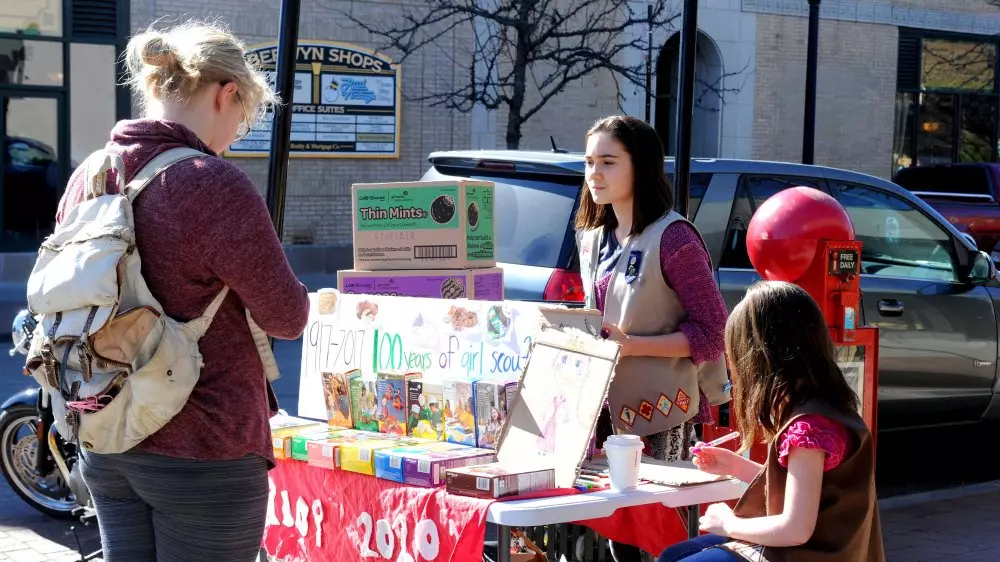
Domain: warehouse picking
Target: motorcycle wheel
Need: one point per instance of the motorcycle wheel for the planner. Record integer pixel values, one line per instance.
(18, 446)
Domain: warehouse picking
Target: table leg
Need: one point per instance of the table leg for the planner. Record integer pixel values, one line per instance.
(693, 515)
(503, 543)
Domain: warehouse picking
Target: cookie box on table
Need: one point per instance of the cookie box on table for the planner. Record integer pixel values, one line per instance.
(499, 480)
(425, 465)
(284, 428)
(390, 388)
(459, 412)
(300, 449)
(325, 453)
(424, 225)
(474, 284)
(359, 456)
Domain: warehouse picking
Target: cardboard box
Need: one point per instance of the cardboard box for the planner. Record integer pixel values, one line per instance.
(391, 395)
(493, 401)
(364, 404)
(359, 456)
(281, 436)
(498, 480)
(459, 412)
(425, 465)
(337, 396)
(424, 408)
(424, 225)
(474, 284)
(300, 451)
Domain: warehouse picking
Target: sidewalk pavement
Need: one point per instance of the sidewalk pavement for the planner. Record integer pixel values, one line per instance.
(946, 525)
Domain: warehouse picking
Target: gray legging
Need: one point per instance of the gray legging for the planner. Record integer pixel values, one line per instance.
(152, 508)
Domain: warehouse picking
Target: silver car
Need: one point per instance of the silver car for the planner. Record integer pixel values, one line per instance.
(931, 293)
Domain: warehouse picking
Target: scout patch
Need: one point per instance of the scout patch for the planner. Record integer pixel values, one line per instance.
(664, 405)
(682, 400)
(632, 266)
(646, 410)
(627, 416)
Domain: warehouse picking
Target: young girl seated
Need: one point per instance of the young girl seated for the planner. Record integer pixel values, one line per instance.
(814, 498)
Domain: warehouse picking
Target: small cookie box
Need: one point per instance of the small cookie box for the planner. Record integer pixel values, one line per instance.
(359, 456)
(283, 428)
(499, 480)
(390, 394)
(459, 412)
(474, 284)
(493, 400)
(425, 410)
(425, 465)
(300, 451)
(337, 397)
(325, 453)
(364, 404)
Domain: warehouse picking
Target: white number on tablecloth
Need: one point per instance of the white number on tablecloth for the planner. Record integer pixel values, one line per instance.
(400, 525)
(426, 540)
(301, 517)
(385, 542)
(317, 511)
(272, 491)
(365, 520)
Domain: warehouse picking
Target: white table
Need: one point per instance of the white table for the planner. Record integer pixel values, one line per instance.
(594, 505)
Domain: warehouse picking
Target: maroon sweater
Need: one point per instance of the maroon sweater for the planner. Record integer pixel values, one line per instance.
(199, 226)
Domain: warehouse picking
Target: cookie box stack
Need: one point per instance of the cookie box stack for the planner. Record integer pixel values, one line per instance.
(428, 239)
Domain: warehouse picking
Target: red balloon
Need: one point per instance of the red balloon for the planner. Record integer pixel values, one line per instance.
(783, 233)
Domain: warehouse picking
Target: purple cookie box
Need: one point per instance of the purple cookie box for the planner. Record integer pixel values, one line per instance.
(487, 285)
(437, 462)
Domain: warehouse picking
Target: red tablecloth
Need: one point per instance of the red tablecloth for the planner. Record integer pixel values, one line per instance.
(320, 515)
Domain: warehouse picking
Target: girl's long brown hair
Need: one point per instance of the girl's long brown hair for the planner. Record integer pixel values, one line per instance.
(780, 357)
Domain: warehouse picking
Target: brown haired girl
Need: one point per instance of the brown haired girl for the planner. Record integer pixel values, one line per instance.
(814, 498)
(647, 269)
(197, 489)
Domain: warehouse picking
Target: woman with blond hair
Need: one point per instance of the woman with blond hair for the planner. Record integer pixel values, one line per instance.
(197, 489)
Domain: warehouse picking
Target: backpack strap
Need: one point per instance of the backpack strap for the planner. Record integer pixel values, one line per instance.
(155, 167)
(97, 166)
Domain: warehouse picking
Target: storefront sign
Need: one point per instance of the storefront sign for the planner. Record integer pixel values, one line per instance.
(440, 338)
(346, 103)
(320, 515)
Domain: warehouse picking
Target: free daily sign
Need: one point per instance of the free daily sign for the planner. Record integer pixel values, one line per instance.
(441, 338)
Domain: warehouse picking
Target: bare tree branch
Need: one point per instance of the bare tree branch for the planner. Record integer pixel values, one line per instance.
(545, 44)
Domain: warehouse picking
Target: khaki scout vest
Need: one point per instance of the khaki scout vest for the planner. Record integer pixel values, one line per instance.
(648, 394)
(848, 527)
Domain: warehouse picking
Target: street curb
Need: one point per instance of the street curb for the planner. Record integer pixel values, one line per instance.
(957, 492)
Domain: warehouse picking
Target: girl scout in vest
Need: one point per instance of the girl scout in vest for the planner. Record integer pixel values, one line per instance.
(814, 498)
(647, 268)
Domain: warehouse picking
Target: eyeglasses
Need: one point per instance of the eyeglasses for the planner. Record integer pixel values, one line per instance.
(244, 127)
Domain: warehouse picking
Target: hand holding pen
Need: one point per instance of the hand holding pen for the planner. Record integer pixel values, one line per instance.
(710, 458)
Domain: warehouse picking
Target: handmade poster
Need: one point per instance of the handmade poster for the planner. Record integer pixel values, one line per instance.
(443, 339)
(561, 394)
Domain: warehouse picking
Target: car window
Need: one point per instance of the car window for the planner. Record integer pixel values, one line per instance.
(751, 193)
(699, 185)
(972, 180)
(899, 240)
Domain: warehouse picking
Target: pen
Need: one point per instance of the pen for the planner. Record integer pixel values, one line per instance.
(717, 442)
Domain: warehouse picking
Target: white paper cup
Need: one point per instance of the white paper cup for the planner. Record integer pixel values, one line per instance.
(624, 452)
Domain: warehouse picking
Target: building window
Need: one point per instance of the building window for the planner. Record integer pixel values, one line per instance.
(946, 101)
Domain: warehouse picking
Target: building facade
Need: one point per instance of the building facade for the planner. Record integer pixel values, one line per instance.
(901, 82)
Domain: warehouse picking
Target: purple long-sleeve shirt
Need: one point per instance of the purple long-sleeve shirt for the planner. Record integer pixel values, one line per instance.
(687, 269)
(199, 226)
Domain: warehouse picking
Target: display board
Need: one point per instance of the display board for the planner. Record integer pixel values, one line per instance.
(346, 103)
(440, 338)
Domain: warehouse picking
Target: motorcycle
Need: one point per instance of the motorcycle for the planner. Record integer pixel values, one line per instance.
(41, 468)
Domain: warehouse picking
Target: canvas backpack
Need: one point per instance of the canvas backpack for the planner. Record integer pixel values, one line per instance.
(116, 367)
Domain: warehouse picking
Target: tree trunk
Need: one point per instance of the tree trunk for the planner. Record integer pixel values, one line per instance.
(516, 105)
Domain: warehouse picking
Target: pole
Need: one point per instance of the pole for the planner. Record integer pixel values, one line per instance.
(649, 62)
(685, 107)
(281, 130)
(812, 61)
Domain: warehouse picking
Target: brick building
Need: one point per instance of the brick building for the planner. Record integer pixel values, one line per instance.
(884, 100)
